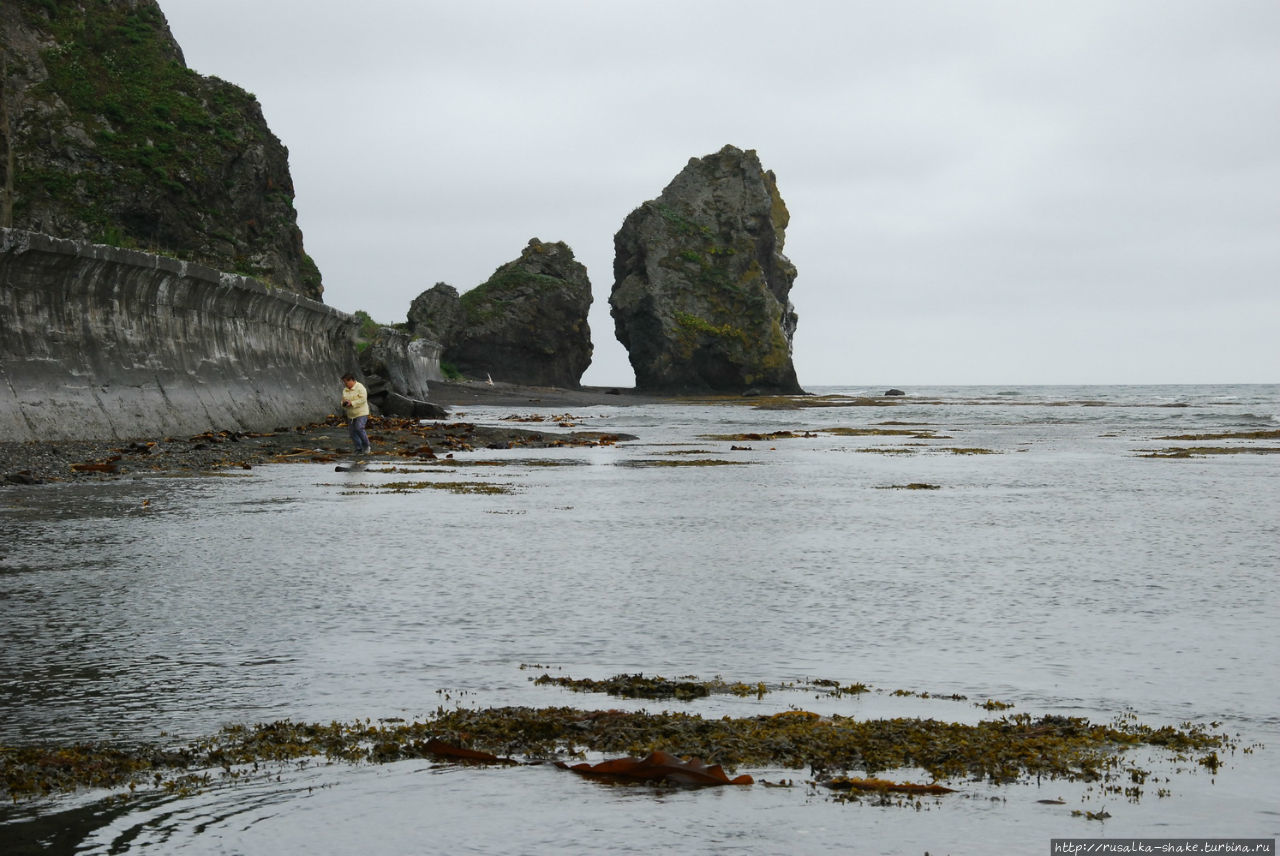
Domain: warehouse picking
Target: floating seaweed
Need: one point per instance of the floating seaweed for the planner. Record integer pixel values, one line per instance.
(1006, 750)
(679, 462)
(655, 687)
(837, 690)
(911, 486)
(845, 783)
(1205, 451)
(658, 766)
(1227, 435)
(758, 437)
(453, 752)
(450, 486)
(109, 465)
(915, 433)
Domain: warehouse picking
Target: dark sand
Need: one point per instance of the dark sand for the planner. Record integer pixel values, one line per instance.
(321, 442)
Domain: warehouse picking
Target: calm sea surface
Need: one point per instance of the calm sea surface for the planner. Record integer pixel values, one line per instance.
(1063, 572)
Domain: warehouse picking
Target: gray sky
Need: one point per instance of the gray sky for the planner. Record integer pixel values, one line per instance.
(980, 192)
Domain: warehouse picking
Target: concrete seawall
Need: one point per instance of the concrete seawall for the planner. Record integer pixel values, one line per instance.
(104, 343)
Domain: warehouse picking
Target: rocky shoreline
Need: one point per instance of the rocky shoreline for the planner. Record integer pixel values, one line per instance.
(321, 442)
(456, 394)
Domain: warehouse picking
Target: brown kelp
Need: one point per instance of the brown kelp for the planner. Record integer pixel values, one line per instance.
(1005, 750)
(658, 767)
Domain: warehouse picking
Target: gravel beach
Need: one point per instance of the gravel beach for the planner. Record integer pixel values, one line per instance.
(41, 462)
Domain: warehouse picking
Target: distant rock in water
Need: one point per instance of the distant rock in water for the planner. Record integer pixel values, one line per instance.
(115, 141)
(894, 392)
(701, 288)
(528, 323)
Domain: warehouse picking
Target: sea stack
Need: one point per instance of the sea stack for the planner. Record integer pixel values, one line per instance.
(701, 288)
(528, 323)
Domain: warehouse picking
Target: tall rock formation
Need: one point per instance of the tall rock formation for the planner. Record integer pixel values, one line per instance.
(109, 137)
(700, 294)
(528, 323)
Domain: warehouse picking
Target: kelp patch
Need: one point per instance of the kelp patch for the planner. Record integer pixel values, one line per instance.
(654, 687)
(1226, 435)
(846, 783)
(682, 462)
(460, 487)
(1206, 451)
(915, 433)
(1244, 448)
(759, 436)
(910, 486)
(1006, 750)
(658, 767)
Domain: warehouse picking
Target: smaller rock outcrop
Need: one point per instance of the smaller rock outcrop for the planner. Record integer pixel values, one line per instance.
(436, 314)
(527, 324)
(396, 369)
(701, 288)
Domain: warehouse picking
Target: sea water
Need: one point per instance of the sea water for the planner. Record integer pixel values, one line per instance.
(1052, 565)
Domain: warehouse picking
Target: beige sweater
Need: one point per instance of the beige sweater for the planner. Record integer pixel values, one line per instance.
(359, 399)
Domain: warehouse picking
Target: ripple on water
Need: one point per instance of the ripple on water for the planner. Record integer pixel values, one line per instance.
(1064, 575)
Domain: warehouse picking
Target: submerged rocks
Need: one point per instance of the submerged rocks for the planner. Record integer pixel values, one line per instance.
(526, 325)
(701, 288)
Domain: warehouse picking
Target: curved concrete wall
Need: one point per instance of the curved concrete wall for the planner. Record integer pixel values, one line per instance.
(104, 343)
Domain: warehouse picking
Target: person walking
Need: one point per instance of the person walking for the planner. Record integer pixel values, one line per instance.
(355, 404)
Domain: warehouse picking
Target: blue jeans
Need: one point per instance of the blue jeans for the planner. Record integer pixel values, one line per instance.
(359, 438)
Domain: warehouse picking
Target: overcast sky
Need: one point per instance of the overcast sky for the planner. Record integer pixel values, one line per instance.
(980, 192)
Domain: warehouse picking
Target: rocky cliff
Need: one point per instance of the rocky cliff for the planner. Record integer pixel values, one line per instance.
(397, 369)
(701, 287)
(527, 324)
(112, 139)
(436, 314)
(105, 343)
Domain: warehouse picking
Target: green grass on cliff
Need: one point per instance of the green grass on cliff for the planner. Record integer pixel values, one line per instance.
(490, 299)
(161, 126)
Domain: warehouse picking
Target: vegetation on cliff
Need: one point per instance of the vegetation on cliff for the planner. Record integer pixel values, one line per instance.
(111, 138)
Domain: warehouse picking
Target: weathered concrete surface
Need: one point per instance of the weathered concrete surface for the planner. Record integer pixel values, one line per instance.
(103, 343)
